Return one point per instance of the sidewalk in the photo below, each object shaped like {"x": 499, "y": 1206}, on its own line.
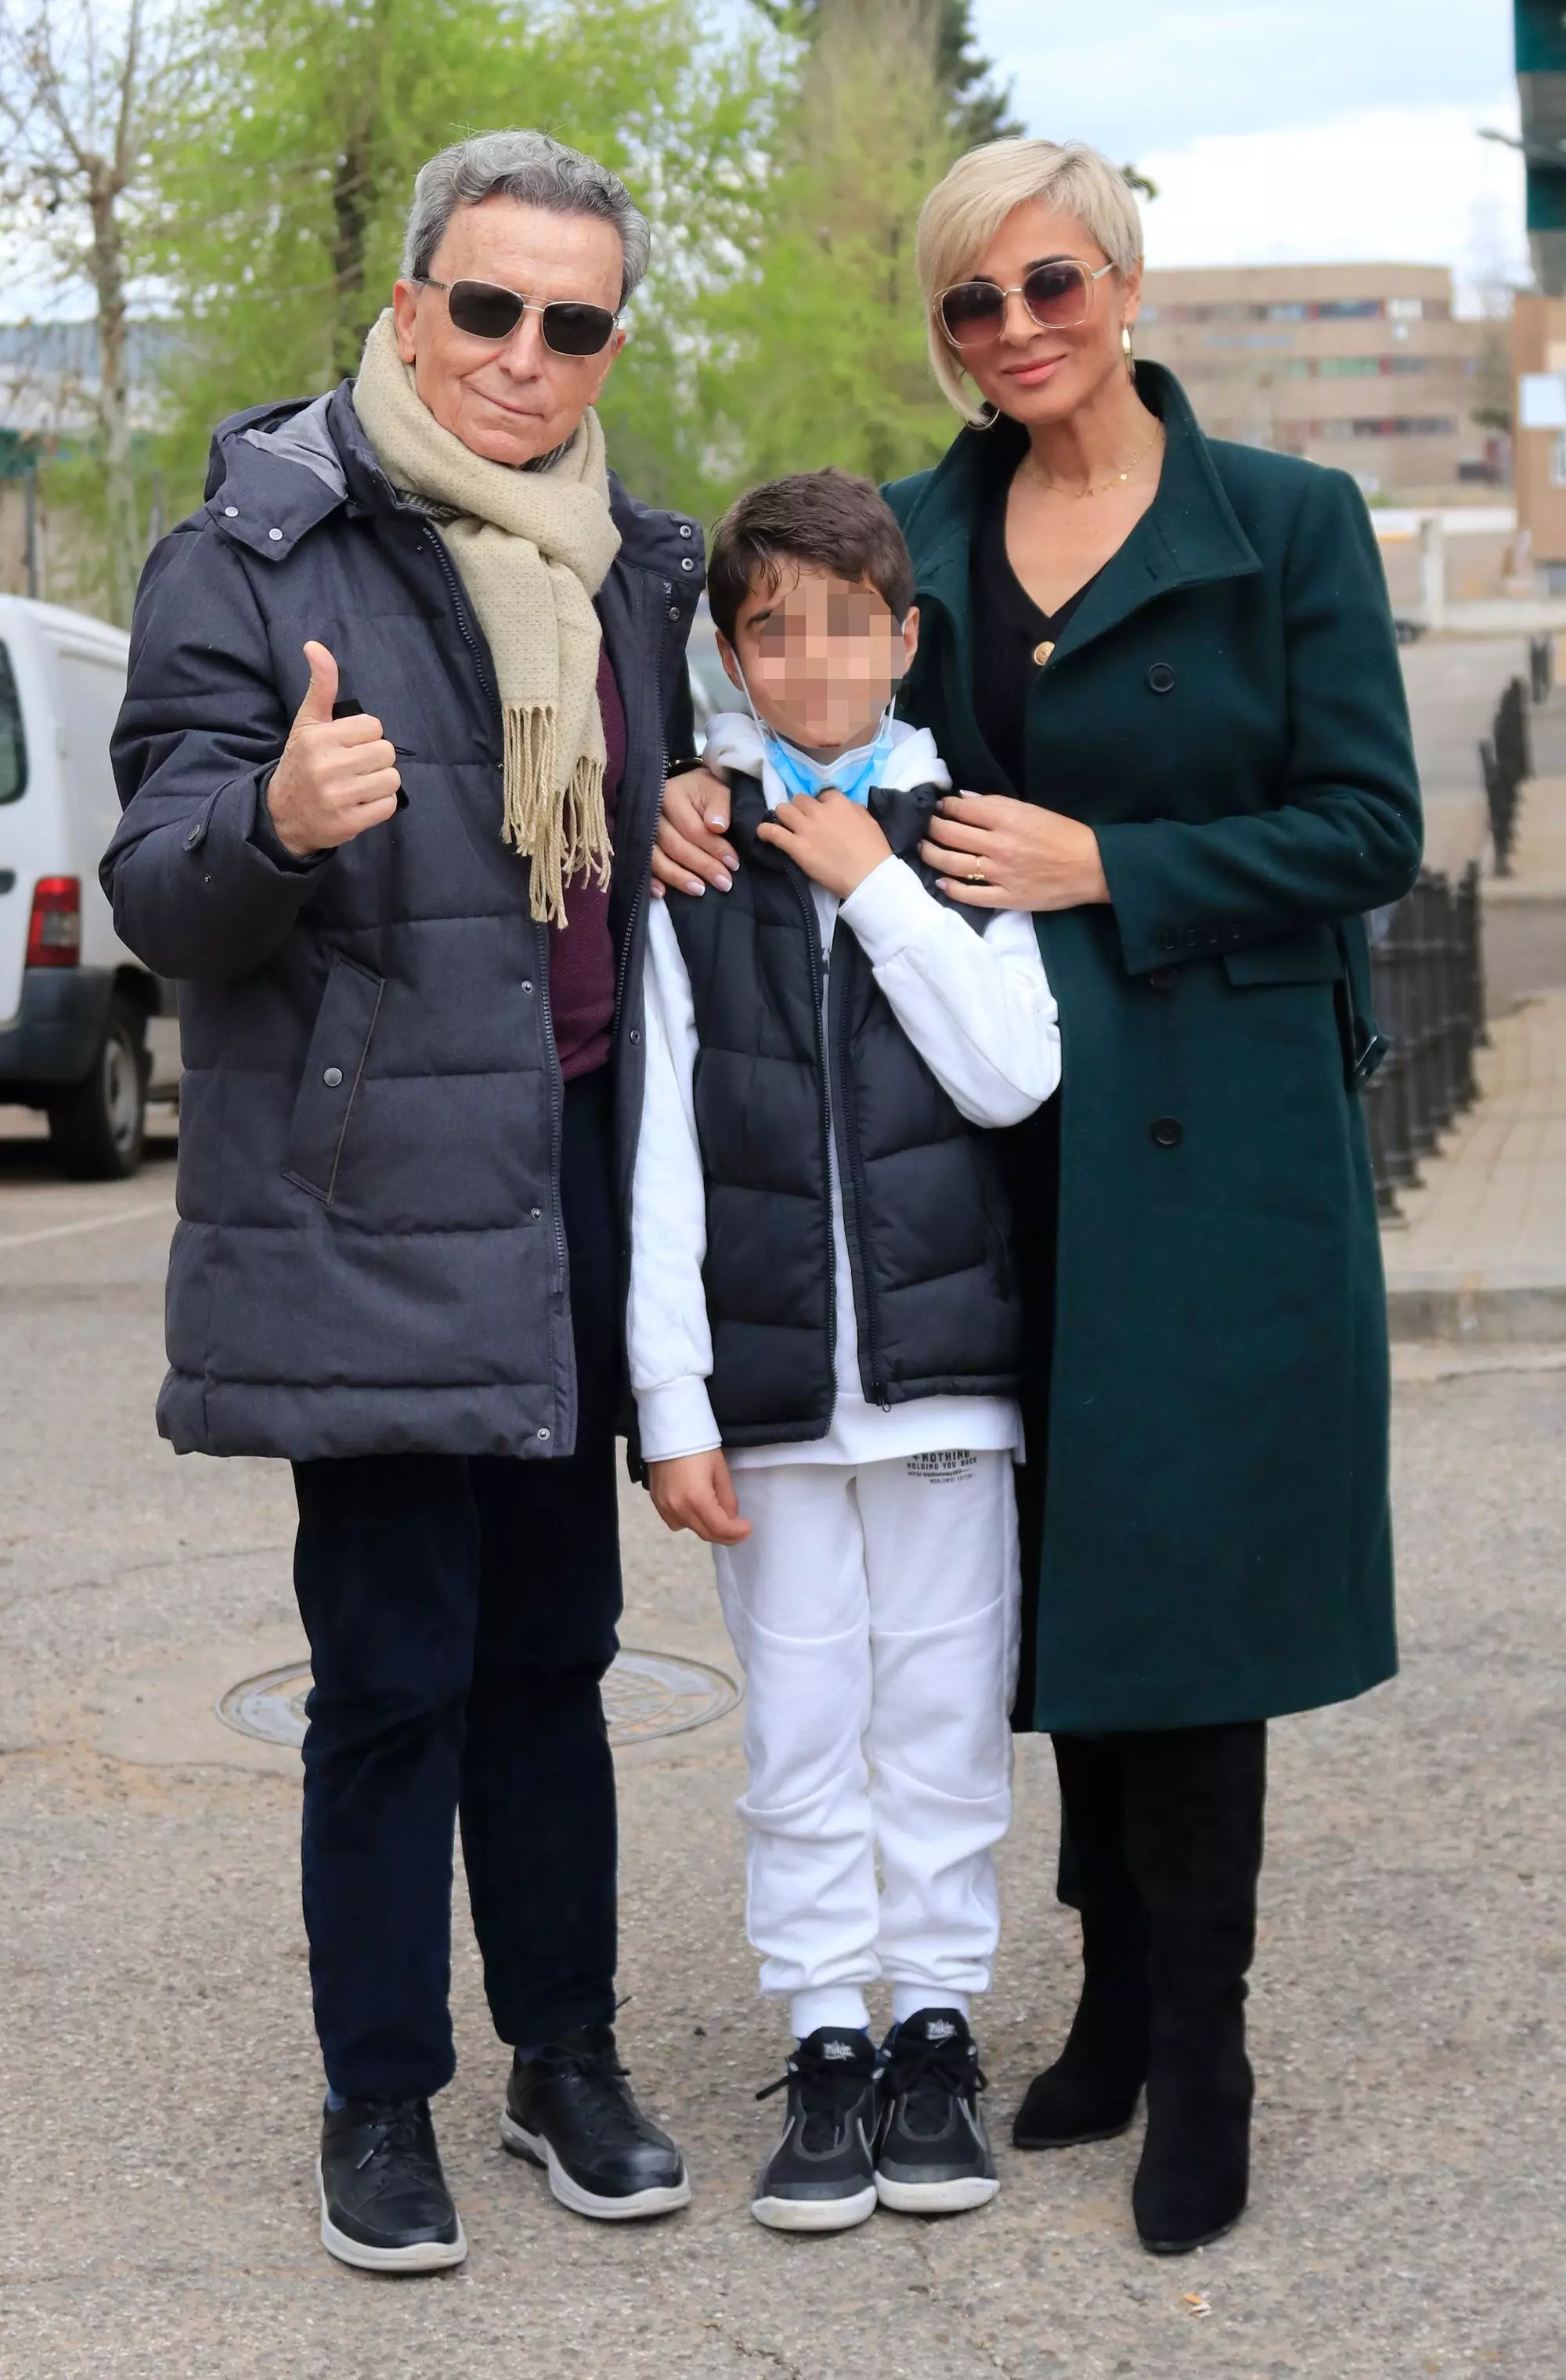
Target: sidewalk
{"x": 1478, "y": 1253}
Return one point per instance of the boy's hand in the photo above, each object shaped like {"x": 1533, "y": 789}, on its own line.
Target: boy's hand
{"x": 836, "y": 842}
{"x": 695, "y": 1492}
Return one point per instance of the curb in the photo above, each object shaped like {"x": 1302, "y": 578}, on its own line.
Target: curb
{"x": 1480, "y": 1313}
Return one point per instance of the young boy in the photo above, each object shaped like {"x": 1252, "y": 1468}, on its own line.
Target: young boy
{"x": 824, "y": 1342}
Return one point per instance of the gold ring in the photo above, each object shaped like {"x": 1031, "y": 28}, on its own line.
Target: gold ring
{"x": 976, "y": 875}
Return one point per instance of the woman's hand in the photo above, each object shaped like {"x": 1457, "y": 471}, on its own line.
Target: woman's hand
{"x": 836, "y": 842}
{"x": 994, "y": 853}
{"x": 694, "y": 1491}
{"x": 691, "y": 846}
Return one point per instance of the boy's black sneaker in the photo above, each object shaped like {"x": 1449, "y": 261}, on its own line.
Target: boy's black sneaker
{"x": 932, "y": 2152}
{"x": 385, "y": 2205}
{"x": 821, "y": 2176}
{"x": 571, "y": 2111}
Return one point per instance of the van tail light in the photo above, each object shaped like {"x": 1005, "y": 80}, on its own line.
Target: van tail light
{"x": 54, "y": 934}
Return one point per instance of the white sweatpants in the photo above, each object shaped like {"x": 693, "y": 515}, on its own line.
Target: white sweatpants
{"x": 874, "y": 1607}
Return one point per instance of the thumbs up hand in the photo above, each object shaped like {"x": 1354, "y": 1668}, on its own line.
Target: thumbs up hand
{"x": 336, "y": 776}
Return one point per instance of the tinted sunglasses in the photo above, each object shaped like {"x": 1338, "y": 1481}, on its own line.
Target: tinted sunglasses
{"x": 1056, "y": 294}
{"x": 486, "y": 312}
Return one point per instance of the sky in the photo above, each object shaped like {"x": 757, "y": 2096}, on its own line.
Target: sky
{"x": 1292, "y": 131}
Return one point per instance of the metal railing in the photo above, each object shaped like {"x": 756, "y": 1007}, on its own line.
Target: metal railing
{"x": 1427, "y": 986}
{"x": 1506, "y": 757}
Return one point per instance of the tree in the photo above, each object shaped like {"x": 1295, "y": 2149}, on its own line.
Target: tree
{"x": 288, "y": 180}
{"x": 85, "y": 87}
{"x": 975, "y": 110}
{"x": 818, "y": 353}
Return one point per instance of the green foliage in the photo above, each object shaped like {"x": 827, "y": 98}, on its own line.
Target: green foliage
{"x": 285, "y": 184}
{"x": 818, "y": 352}
{"x": 975, "y": 110}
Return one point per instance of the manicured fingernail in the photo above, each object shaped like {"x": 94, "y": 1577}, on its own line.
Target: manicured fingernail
{"x": 694, "y": 884}
{"x": 716, "y": 820}
{"x": 725, "y": 884}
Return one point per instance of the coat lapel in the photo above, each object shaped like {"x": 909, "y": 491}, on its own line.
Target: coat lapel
{"x": 1188, "y": 537}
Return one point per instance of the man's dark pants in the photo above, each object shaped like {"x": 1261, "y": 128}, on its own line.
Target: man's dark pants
{"x": 461, "y": 1613}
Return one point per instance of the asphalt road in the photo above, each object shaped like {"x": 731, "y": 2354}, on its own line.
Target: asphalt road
{"x": 158, "y": 2074}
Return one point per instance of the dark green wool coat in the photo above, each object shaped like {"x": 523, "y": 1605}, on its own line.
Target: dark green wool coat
{"x": 1226, "y": 710}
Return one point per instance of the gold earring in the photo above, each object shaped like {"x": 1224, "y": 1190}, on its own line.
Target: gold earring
{"x": 1127, "y": 350}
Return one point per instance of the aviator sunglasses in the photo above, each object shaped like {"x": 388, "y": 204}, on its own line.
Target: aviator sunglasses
{"x": 1057, "y": 296}
{"x": 487, "y": 312}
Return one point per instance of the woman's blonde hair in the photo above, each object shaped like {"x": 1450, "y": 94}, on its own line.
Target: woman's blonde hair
{"x": 968, "y": 205}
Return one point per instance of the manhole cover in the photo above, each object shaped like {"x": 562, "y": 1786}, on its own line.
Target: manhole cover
{"x": 644, "y": 1694}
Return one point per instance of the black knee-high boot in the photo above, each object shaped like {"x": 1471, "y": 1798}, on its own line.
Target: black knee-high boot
{"x": 1090, "y": 2091}
{"x": 1193, "y": 1804}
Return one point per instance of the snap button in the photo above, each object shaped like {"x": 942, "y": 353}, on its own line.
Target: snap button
{"x": 544, "y": 1434}
{"x": 1163, "y": 978}
{"x": 332, "y": 1077}
{"x": 537, "y": 1213}
{"x": 673, "y": 611}
{"x": 1168, "y": 1132}
{"x": 1160, "y": 677}
{"x": 526, "y": 984}
{"x": 688, "y": 561}
{"x": 685, "y": 529}
{"x": 231, "y": 512}
{"x": 275, "y": 535}
{"x": 195, "y": 837}
{"x": 635, "y": 1036}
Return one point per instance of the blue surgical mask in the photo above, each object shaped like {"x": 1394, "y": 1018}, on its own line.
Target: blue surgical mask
{"x": 852, "y": 774}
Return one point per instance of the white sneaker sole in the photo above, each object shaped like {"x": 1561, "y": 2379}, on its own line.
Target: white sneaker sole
{"x": 936, "y": 2197}
{"x": 815, "y": 2213}
{"x": 424, "y": 2256}
{"x": 642, "y": 2203}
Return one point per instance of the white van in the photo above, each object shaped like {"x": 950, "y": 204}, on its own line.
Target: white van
{"x": 86, "y": 1033}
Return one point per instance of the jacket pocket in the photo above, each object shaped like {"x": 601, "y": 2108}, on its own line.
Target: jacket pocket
{"x": 1311, "y": 957}
{"x": 338, "y": 1048}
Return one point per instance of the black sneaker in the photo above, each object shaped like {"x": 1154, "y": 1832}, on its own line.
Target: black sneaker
{"x": 385, "y": 2205}
{"x": 821, "y": 2176}
{"x": 932, "y": 2152}
{"x": 570, "y": 2109}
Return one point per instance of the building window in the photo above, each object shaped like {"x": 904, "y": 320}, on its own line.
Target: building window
{"x": 1405, "y": 310}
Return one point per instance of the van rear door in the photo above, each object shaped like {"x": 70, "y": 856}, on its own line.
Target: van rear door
{"x": 16, "y": 872}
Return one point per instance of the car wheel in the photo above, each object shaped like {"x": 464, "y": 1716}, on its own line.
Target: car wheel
{"x": 97, "y": 1128}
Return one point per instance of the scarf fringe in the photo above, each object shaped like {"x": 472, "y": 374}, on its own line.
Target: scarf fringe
{"x": 565, "y": 834}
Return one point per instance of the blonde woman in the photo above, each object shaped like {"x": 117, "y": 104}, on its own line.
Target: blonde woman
{"x": 1168, "y": 665}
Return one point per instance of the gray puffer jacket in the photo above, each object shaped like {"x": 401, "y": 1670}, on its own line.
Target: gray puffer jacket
{"x": 369, "y": 1256}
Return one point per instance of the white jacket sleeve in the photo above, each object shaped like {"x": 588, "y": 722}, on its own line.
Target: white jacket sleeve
{"x": 976, "y": 1007}
{"x": 669, "y": 1338}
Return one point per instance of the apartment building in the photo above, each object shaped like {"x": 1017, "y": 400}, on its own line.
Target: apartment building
{"x": 1363, "y": 365}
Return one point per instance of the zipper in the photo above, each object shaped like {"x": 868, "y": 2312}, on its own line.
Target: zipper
{"x": 821, "y": 991}
{"x": 541, "y": 936}
{"x": 851, "y": 1173}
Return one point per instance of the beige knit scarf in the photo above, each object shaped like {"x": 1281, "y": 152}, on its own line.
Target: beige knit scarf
{"x": 533, "y": 549}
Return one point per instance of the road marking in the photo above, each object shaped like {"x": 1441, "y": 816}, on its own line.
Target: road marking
{"x": 91, "y": 1223}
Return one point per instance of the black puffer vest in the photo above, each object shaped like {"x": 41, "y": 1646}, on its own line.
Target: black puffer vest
{"x": 924, "y": 1206}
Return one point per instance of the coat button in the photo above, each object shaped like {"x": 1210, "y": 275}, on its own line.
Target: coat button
{"x": 685, "y": 529}
{"x": 1163, "y": 978}
{"x": 1168, "y": 1132}
{"x": 195, "y": 837}
{"x": 673, "y": 611}
{"x": 1160, "y": 677}
{"x": 688, "y": 561}
{"x": 545, "y": 1435}
{"x": 275, "y": 535}
{"x": 332, "y": 1077}
{"x": 537, "y": 1213}
{"x": 633, "y": 1037}
{"x": 231, "y": 512}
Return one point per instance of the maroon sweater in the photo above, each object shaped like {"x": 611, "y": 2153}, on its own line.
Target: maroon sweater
{"x": 581, "y": 953}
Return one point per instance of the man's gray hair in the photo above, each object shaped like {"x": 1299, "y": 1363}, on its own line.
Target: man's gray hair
{"x": 533, "y": 168}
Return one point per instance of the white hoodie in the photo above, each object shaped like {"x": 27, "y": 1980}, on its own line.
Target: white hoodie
{"x": 979, "y": 1010}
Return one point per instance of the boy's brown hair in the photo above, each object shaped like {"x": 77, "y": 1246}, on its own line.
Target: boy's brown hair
{"x": 831, "y": 519}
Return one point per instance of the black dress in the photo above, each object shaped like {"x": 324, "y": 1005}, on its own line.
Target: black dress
{"x": 1013, "y": 640}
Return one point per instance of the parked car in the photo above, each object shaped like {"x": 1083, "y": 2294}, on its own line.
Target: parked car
{"x": 86, "y": 1033}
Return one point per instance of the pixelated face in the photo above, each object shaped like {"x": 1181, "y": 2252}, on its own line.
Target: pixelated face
{"x": 821, "y": 655}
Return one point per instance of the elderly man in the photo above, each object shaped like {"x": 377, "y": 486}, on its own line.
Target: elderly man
{"x": 402, "y": 698}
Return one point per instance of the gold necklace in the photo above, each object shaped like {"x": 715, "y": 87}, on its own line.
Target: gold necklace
{"x": 1116, "y": 479}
